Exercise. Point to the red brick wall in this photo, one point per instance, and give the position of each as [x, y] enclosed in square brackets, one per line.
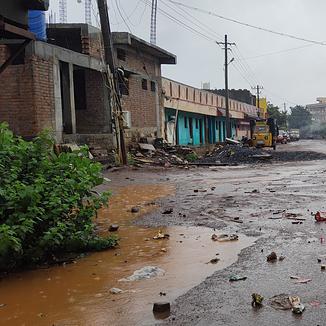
[26, 95]
[141, 103]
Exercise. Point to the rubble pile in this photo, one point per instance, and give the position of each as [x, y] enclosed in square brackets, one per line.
[237, 154]
[232, 154]
[160, 155]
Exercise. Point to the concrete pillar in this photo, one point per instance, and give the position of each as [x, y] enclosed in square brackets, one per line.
[72, 98]
[57, 102]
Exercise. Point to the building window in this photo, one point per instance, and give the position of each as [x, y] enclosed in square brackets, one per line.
[206, 98]
[121, 54]
[144, 84]
[200, 96]
[171, 90]
[186, 122]
[124, 86]
[153, 86]
[194, 95]
[187, 93]
[179, 91]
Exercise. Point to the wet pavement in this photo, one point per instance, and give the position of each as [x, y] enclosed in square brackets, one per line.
[245, 200]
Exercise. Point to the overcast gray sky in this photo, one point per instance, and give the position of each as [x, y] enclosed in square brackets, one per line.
[295, 77]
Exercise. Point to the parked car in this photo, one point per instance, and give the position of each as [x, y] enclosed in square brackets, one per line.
[294, 134]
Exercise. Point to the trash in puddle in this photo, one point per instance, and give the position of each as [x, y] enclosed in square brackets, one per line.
[114, 228]
[272, 257]
[161, 235]
[257, 300]
[236, 278]
[146, 272]
[320, 217]
[115, 291]
[225, 237]
[297, 306]
[280, 302]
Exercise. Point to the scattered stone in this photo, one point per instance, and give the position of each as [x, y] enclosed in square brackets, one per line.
[319, 260]
[236, 278]
[162, 294]
[114, 228]
[161, 307]
[214, 261]
[167, 211]
[272, 257]
[135, 210]
[281, 258]
[196, 190]
[163, 250]
[160, 236]
[115, 291]
[323, 267]
[257, 300]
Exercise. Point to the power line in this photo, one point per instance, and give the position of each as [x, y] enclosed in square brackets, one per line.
[248, 25]
[121, 15]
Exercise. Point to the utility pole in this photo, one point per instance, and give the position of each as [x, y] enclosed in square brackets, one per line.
[227, 104]
[110, 61]
[153, 22]
[258, 92]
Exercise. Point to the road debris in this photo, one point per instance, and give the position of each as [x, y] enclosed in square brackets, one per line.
[281, 302]
[225, 237]
[146, 272]
[160, 236]
[161, 307]
[114, 228]
[135, 209]
[297, 306]
[272, 257]
[213, 261]
[236, 278]
[257, 300]
[116, 291]
[300, 280]
[320, 217]
[167, 211]
[281, 258]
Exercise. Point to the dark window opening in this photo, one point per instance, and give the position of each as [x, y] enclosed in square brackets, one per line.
[153, 86]
[124, 86]
[144, 84]
[186, 122]
[80, 89]
[20, 60]
[171, 90]
[179, 91]
[187, 93]
[121, 54]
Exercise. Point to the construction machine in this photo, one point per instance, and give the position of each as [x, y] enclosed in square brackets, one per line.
[265, 133]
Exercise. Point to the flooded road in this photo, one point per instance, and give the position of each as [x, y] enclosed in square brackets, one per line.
[79, 293]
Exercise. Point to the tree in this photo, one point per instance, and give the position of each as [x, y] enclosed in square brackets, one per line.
[275, 113]
[299, 118]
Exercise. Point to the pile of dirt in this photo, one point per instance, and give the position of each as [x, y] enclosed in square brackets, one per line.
[236, 154]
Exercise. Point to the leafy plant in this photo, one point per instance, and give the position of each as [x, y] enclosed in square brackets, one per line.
[191, 157]
[46, 204]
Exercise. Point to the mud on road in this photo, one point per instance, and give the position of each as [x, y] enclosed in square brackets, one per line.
[257, 196]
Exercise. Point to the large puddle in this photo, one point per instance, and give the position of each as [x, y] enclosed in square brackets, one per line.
[79, 294]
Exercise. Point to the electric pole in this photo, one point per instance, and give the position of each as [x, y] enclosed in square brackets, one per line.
[110, 61]
[258, 92]
[227, 104]
[153, 22]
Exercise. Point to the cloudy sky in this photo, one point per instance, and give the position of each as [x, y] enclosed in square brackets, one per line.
[291, 71]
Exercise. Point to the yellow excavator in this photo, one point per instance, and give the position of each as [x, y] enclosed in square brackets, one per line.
[265, 133]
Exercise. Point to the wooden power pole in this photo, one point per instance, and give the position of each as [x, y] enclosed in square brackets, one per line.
[110, 61]
[227, 104]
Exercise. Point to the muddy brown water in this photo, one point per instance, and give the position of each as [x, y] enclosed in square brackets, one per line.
[78, 294]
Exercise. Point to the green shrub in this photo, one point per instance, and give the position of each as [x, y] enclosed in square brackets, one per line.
[46, 204]
[191, 157]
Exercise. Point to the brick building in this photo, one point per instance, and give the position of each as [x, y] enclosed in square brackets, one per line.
[61, 85]
[142, 87]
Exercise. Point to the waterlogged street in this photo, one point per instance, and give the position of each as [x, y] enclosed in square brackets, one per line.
[267, 205]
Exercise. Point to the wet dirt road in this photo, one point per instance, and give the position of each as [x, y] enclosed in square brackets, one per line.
[246, 200]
